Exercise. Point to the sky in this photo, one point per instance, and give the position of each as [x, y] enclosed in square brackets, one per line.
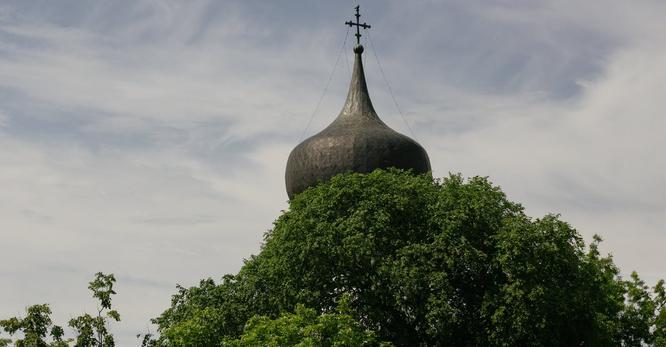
[149, 138]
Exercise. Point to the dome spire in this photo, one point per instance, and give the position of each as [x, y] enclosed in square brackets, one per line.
[358, 103]
[356, 141]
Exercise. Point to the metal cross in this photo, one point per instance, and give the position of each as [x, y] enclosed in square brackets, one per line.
[358, 26]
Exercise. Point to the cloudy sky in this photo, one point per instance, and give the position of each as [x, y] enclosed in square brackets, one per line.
[149, 138]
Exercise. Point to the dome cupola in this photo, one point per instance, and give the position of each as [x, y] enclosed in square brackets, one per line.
[356, 141]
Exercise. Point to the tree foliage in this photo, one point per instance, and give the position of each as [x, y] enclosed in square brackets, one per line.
[91, 331]
[389, 258]
[424, 262]
[35, 327]
[306, 328]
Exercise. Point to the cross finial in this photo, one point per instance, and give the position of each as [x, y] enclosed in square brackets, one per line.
[358, 26]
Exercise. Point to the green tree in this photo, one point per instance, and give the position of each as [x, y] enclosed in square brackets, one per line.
[35, 327]
[424, 262]
[659, 333]
[90, 331]
[305, 328]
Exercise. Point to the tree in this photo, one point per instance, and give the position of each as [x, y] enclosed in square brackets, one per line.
[93, 331]
[659, 333]
[90, 331]
[424, 262]
[306, 328]
[35, 326]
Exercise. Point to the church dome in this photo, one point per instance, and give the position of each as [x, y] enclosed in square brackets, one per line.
[356, 141]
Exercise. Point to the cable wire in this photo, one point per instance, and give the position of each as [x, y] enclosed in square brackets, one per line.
[344, 48]
[395, 102]
[328, 83]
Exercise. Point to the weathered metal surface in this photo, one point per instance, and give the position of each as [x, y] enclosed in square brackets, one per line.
[356, 141]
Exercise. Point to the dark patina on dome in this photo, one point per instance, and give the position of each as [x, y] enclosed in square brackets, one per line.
[356, 141]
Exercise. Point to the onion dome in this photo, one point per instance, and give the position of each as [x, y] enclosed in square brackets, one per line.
[356, 141]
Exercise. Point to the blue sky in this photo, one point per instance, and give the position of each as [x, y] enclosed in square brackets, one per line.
[149, 138]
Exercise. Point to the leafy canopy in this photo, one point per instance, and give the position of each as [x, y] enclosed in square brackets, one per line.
[90, 330]
[306, 328]
[423, 262]
[392, 259]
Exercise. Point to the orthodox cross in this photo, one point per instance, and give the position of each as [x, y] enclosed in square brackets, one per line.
[358, 26]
